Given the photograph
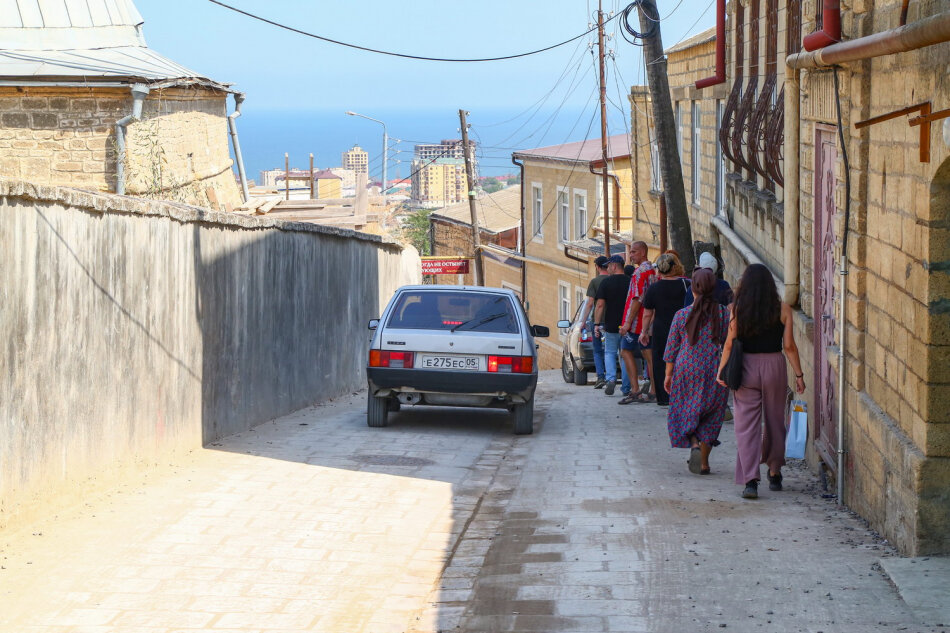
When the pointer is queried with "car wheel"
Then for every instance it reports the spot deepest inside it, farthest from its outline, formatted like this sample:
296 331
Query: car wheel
524 417
377 410
567 369
580 376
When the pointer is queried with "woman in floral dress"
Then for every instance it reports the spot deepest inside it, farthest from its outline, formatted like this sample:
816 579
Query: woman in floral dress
697 401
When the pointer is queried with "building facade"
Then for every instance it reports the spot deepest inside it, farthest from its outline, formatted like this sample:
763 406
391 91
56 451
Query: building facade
355 159
438 182
808 170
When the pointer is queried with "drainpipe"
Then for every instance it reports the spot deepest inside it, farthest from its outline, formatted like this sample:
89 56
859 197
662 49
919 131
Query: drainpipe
830 27
926 32
236 144
792 188
139 92
521 231
720 76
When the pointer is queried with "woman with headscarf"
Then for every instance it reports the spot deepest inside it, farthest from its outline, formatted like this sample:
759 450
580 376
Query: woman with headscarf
763 323
661 301
697 400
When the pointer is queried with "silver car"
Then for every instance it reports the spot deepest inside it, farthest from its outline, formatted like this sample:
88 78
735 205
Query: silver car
453 346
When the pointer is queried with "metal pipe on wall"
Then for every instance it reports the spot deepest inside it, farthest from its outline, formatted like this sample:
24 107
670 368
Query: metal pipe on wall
830 27
792 189
720 75
236 143
521 236
139 92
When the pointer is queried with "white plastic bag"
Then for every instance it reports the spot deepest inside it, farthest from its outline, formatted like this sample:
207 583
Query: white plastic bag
797 430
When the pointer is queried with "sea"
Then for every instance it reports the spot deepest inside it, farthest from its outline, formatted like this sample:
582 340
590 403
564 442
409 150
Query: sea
266 135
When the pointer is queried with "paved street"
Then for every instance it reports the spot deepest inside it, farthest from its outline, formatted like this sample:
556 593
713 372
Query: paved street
447 522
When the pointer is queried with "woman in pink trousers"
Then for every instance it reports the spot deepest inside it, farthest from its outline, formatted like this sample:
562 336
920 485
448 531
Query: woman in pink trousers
763 323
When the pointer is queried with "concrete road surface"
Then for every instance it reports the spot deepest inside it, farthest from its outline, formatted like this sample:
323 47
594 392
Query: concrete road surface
445 521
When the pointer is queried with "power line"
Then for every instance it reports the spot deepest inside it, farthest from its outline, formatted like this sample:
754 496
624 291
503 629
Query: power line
394 54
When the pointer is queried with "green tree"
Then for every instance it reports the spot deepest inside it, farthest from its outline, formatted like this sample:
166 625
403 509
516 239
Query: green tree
491 185
513 180
415 230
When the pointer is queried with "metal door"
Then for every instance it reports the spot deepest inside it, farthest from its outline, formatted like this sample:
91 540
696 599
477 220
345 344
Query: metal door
826 156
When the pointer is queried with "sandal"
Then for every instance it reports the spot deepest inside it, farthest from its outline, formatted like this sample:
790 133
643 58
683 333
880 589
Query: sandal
627 399
644 398
695 460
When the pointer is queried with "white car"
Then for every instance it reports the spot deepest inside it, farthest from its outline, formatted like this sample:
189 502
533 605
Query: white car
453 346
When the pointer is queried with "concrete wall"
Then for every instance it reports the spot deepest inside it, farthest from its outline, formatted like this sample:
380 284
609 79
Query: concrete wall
132 328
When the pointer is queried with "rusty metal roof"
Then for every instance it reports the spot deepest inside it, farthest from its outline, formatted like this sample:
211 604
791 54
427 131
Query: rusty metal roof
589 151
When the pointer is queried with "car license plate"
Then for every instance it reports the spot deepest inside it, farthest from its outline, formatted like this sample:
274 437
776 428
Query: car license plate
465 363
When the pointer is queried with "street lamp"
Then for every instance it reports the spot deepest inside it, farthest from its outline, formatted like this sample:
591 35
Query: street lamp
385 146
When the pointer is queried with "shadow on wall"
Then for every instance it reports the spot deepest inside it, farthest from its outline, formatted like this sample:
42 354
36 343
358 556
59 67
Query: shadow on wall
280 319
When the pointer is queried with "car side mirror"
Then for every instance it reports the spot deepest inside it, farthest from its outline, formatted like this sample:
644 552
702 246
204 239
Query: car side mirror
564 324
541 331
373 324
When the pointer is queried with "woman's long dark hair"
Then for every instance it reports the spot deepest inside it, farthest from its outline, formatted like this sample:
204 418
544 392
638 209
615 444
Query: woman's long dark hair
757 305
705 308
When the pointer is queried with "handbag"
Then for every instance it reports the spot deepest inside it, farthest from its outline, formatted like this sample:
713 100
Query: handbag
732 373
797 430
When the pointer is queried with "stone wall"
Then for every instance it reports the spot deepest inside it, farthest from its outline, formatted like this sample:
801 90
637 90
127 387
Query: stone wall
134 328
66 136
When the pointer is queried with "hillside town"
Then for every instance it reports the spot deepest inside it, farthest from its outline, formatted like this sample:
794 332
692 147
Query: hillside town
187 366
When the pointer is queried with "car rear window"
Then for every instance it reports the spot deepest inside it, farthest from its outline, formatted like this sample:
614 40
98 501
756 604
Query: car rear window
445 310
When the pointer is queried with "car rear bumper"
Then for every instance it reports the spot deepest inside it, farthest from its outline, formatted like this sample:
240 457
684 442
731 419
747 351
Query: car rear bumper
427 380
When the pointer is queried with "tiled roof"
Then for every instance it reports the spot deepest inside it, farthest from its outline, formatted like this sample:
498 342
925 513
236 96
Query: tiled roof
82 40
496 212
618 146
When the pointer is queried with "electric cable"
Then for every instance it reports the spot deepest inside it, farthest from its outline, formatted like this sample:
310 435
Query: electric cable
395 54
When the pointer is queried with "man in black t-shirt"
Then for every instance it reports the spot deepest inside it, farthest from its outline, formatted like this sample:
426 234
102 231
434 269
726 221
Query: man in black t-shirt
608 315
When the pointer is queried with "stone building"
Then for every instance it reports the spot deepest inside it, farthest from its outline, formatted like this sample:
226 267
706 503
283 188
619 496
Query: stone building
563 218
85 103
499 223
772 176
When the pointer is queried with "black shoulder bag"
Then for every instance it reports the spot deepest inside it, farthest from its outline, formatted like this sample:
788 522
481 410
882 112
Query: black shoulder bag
732 373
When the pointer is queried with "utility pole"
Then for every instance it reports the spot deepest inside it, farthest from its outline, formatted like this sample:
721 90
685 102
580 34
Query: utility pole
671 170
603 123
470 190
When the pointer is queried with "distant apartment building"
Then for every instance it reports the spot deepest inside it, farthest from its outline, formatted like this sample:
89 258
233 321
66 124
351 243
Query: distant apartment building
356 159
438 182
347 177
438 173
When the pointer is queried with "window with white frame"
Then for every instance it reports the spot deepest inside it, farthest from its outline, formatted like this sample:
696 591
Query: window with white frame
563 215
537 209
678 123
580 214
697 150
563 303
720 164
656 182
580 296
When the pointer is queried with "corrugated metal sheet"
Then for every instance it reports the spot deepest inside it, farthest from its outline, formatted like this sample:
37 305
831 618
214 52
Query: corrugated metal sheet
89 40
50 14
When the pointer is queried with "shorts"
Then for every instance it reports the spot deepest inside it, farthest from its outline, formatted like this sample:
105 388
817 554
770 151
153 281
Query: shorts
629 343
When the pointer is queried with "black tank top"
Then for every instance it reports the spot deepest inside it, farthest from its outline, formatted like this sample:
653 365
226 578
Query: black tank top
767 342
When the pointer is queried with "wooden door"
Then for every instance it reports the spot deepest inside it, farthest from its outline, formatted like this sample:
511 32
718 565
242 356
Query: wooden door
825 414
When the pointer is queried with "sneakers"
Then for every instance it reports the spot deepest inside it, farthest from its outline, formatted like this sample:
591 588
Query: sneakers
609 388
751 490
775 482
600 383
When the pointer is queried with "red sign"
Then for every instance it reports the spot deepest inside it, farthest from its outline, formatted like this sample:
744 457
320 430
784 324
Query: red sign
445 265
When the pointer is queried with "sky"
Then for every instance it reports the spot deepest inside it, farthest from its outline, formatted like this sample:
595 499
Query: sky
285 72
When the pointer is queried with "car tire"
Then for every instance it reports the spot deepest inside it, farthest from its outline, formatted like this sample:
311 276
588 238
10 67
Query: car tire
377 410
524 417
580 376
567 368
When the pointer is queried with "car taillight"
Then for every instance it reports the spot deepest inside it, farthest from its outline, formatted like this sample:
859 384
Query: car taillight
383 358
510 364
585 336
